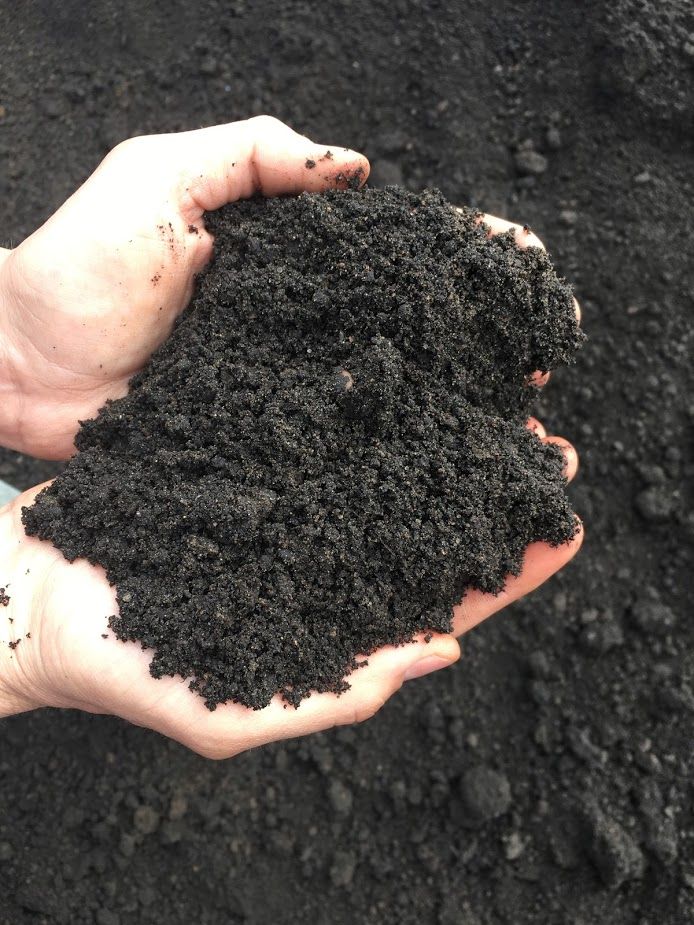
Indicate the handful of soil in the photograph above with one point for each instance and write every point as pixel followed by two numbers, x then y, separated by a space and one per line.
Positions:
pixel 329 449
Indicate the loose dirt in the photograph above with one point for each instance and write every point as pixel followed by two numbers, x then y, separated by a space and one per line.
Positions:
pixel 330 449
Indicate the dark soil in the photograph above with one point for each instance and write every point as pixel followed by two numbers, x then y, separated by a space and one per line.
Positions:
pixel 331 447
pixel 578 699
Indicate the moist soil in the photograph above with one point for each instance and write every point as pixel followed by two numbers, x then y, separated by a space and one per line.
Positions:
pixel 331 447
pixel 546 778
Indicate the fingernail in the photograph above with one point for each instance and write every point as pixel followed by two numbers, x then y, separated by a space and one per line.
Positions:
pixel 426 665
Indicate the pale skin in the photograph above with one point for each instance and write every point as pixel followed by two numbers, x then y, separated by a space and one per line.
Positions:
pixel 83 303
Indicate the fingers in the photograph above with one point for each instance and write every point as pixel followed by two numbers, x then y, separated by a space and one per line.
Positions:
pixel 570 455
pixel 541 560
pixel 536 427
pixel 522 233
pixel 540 563
pixel 539 379
pixel 524 238
pixel 569 451
pixel 260 155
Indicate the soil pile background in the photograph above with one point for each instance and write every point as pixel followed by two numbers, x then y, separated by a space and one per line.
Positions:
pixel 330 448
pixel 580 699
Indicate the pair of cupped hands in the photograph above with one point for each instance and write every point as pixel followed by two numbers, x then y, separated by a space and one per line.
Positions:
pixel 84 301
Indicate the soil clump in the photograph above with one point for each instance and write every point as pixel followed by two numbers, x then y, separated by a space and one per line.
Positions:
pixel 330 448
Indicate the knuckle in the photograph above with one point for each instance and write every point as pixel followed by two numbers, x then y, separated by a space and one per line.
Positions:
pixel 217 752
pixel 212 746
pixel 130 147
pixel 266 123
pixel 525 237
pixel 367 708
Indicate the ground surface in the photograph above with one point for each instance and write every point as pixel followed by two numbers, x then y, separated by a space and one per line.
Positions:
pixel 581 698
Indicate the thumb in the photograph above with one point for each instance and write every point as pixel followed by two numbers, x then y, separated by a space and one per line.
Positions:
pixel 390 666
pixel 260 155
pixel 370 687
pixel 167 705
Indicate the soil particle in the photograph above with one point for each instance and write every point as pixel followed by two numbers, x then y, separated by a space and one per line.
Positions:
pixel 614 852
pixel 127 845
pixel 528 161
pixel 655 504
pixel 602 635
pixel 653 617
pixel 553 138
pixel 342 868
pixel 105 917
pixel 146 819
pixel 299 524
pixel 341 797
pixel 486 794
pixel 514 846
pixel 661 837
pixel 568 217
pixel 4 597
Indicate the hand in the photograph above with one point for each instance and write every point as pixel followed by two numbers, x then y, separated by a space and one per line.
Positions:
pixel 68 657
pixel 89 296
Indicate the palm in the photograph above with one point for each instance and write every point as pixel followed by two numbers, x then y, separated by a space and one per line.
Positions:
pixel 97 288
pixel 98 300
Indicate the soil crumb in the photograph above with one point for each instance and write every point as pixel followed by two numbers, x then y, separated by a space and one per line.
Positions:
pixel 329 449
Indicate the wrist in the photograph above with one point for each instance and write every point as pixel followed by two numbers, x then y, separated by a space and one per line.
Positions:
pixel 18 692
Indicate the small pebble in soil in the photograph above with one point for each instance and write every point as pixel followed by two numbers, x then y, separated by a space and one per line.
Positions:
pixel 486 794
pixel 653 617
pixel 146 819
pixel 655 504
pixel 342 868
pixel 528 161
pixel 340 797
pixel 614 852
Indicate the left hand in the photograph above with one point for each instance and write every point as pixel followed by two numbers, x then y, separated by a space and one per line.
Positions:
pixel 86 299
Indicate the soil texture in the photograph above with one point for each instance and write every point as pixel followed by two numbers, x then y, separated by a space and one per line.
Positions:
pixel 547 778
pixel 331 447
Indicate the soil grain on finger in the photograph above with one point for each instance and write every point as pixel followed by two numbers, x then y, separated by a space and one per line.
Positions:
pixel 330 448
